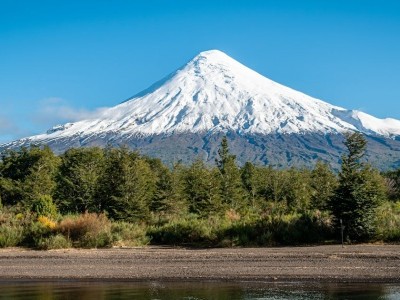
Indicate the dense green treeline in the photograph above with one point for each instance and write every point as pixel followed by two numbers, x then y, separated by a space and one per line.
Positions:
pixel 92 197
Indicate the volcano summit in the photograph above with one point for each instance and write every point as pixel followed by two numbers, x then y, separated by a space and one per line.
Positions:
pixel 184 115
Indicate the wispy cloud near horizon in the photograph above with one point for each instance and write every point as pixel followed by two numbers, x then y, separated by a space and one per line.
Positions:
pixel 9 129
pixel 57 110
pixel 49 112
pixel 5 125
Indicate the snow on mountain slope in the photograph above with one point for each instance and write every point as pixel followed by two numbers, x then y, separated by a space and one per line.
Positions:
pixel 385 127
pixel 214 93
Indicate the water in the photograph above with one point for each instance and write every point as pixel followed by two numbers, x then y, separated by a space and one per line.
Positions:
pixel 195 291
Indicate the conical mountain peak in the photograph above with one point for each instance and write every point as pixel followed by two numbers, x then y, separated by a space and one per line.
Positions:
pixel 215 93
pixel 213 53
pixel 213 61
pixel 214 56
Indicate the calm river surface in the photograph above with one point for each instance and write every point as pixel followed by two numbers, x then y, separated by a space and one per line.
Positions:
pixel 192 291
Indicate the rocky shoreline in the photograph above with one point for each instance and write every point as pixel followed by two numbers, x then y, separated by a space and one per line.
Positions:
pixel 332 263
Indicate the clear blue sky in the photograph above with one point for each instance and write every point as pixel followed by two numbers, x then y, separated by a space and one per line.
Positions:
pixel 60 59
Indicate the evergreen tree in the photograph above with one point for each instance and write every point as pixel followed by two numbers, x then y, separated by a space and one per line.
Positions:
pixel 323 185
pixel 359 192
pixel 169 198
pixel 274 184
pixel 231 190
pixel 126 186
pixel 250 181
pixel 290 188
pixel 27 175
pixel 201 189
pixel 77 179
pixel 297 192
pixel 15 167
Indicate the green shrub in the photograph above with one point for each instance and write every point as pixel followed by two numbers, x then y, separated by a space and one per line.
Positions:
pixel 53 242
pixel 388 222
pixel 282 229
pixel 10 236
pixel 129 234
pixel 35 233
pixel 12 227
pixel 188 231
pixel 307 227
pixel 44 206
pixel 248 230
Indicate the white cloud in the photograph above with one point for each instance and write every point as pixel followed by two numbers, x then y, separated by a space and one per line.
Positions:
pixel 53 111
pixel 48 113
pixel 5 125
pixel 9 130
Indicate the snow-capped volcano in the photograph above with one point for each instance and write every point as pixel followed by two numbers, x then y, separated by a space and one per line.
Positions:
pixel 214 93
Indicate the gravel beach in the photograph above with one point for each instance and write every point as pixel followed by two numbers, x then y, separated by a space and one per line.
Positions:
pixel 354 263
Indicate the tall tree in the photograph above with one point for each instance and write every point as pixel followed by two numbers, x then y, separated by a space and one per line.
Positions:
pixel 126 186
pixel 249 180
pixel 323 185
pixel 274 184
pixel 231 189
pixel 77 179
pixel 169 198
pixel 27 175
pixel 359 192
pixel 15 167
pixel 297 191
pixel 201 189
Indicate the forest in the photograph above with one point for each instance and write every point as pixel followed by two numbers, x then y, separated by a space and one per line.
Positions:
pixel 93 197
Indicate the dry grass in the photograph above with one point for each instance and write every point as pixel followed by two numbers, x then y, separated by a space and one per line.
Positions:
pixel 87 230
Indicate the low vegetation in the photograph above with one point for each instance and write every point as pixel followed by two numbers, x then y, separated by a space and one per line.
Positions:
pixel 92 197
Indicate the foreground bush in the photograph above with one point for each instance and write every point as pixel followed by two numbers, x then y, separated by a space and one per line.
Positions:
pixel 190 231
pixel 269 230
pixel 388 222
pixel 37 232
pixel 309 227
pixel 57 241
pixel 89 230
pixel 10 235
pixel 129 235
pixel 272 226
pixel 12 228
